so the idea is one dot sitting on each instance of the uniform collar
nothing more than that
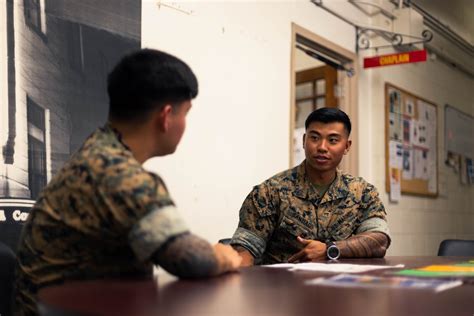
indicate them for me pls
(304, 189)
(113, 131)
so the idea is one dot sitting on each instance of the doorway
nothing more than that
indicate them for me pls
(323, 74)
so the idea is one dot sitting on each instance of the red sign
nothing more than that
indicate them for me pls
(395, 59)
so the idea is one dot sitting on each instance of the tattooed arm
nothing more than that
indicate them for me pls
(189, 256)
(365, 245)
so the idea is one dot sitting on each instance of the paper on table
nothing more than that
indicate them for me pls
(332, 267)
(280, 265)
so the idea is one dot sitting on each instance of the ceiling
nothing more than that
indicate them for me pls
(458, 15)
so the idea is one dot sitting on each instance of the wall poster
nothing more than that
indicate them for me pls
(54, 61)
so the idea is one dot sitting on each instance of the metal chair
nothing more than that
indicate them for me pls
(7, 267)
(456, 247)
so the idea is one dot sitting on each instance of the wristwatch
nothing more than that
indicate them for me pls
(332, 251)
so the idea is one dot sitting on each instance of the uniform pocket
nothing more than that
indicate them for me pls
(294, 228)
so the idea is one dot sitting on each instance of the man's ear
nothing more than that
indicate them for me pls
(304, 138)
(348, 146)
(163, 117)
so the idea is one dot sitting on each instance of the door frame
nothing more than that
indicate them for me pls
(348, 103)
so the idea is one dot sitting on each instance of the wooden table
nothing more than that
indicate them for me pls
(259, 291)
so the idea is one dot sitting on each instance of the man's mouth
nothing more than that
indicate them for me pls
(321, 158)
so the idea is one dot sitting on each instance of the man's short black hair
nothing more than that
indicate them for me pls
(329, 115)
(146, 80)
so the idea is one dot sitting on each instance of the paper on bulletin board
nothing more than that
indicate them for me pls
(395, 101)
(406, 125)
(395, 128)
(420, 164)
(423, 111)
(395, 184)
(427, 117)
(395, 154)
(407, 163)
(419, 134)
(409, 109)
(396, 165)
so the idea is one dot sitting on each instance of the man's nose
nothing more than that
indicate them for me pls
(322, 146)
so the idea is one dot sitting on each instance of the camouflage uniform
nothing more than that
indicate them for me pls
(101, 216)
(287, 205)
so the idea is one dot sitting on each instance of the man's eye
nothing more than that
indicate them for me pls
(333, 140)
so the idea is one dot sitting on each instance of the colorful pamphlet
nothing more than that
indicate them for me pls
(332, 267)
(353, 280)
(465, 269)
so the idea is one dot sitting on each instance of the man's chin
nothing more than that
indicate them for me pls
(322, 167)
(166, 152)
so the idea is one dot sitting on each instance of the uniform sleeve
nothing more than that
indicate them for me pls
(153, 231)
(257, 219)
(140, 207)
(373, 213)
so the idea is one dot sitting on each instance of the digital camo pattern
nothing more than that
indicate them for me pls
(79, 227)
(287, 205)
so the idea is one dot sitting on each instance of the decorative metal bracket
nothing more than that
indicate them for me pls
(395, 39)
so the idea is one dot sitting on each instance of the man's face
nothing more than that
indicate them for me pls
(325, 145)
(176, 125)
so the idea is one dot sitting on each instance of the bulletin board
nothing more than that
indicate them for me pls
(411, 144)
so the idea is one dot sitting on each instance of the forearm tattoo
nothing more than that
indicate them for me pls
(187, 256)
(365, 245)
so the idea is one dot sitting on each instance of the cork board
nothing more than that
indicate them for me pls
(411, 147)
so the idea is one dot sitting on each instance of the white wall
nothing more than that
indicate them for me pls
(238, 129)
(418, 224)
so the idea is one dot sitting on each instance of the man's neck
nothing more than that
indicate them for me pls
(320, 177)
(134, 140)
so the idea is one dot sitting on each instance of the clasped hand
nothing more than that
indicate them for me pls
(313, 251)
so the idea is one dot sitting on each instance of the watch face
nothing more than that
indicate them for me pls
(333, 252)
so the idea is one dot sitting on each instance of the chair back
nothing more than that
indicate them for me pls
(7, 268)
(456, 247)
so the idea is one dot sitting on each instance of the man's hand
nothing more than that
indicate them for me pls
(247, 258)
(191, 257)
(227, 258)
(313, 251)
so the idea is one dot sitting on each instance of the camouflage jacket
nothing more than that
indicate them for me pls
(101, 216)
(287, 205)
